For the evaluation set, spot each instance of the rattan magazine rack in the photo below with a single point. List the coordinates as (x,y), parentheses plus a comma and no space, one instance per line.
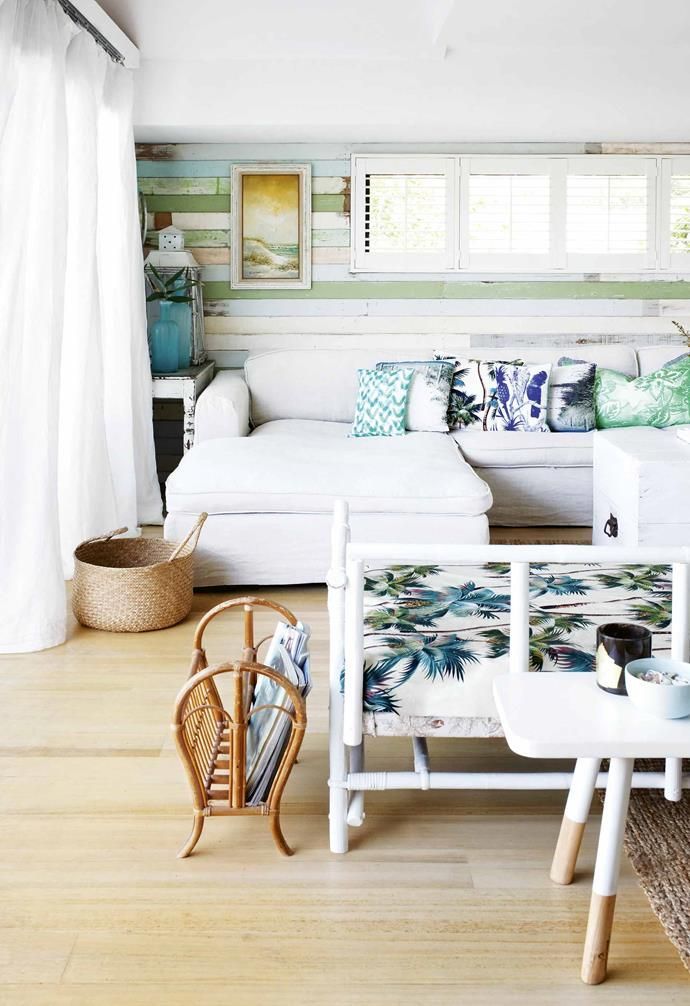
(212,741)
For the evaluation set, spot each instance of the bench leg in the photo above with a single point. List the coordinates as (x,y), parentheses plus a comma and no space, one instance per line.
(337,757)
(606,871)
(355,813)
(574,820)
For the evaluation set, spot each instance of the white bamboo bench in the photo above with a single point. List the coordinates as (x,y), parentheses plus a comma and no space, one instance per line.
(348,780)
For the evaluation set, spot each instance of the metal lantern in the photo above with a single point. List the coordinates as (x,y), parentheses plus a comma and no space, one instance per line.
(169,259)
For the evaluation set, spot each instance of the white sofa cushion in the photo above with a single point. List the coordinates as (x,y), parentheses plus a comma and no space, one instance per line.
(654,357)
(322,383)
(525,450)
(295,466)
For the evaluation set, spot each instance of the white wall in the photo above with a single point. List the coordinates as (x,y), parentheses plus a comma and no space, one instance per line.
(410,70)
(495,94)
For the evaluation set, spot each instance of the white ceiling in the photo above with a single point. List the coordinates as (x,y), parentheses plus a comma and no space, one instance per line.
(433,70)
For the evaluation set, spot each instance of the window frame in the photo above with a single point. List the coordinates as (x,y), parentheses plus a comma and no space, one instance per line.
(670,260)
(424,164)
(617,165)
(509,165)
(457,258)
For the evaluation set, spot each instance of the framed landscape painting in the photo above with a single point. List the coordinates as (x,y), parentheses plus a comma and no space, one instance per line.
(270,243)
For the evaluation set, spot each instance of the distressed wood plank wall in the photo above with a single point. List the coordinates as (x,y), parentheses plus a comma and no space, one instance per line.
(188,185)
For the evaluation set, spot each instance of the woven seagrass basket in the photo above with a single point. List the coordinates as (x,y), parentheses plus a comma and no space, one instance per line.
(134,584)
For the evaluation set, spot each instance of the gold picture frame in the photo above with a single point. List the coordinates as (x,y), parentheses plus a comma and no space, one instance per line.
(270,241)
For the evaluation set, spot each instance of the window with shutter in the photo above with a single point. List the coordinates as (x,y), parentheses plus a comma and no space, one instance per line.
(506,213)
(674,216)
(680,214)
(404,219)
(518,214)
(610,213)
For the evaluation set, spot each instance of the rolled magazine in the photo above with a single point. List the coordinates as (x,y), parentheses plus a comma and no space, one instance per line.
(268,730)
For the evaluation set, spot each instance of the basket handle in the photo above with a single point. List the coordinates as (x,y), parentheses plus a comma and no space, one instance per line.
(196,529)
(105,537)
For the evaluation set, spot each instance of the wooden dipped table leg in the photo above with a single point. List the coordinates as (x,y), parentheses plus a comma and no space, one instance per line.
(598,938)
(574,820)
(605,883)
(567,850)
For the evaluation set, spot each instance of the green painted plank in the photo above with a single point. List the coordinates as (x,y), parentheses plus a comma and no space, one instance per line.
(188,204)
(464,290)
(328,203)
(179,186)
(224,185)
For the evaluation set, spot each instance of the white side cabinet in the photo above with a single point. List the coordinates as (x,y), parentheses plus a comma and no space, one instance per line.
(186,385)
(641,487)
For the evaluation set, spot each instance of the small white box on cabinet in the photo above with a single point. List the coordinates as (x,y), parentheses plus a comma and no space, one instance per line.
(641,487)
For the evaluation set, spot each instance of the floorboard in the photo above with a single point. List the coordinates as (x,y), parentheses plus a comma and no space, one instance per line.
(444,897)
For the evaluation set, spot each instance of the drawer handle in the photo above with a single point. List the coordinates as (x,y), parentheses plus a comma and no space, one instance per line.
(611,527)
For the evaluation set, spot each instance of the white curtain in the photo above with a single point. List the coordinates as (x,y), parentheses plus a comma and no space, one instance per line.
(76,439)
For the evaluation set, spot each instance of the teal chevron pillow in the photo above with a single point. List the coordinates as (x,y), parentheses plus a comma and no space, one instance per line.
(381,403)
(659,399)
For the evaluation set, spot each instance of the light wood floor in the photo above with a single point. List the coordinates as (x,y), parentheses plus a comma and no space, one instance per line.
(444,897)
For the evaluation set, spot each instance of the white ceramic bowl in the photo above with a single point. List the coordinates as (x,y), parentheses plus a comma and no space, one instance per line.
(669,702)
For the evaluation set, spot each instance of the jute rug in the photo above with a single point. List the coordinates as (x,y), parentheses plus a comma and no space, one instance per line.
(657,843)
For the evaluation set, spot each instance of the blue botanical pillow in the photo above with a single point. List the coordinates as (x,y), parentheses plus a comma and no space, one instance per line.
(570,404)
(381,403)
(471,397)
(519,398)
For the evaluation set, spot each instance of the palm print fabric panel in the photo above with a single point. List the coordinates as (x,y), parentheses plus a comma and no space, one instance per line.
(436,637)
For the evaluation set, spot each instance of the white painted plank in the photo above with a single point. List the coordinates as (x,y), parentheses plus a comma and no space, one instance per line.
(329,221)
(321,221)
(324,255)
(329,186)
(285,308)
(178,186)
(312,340)
(331,273)
(337,324)
(201,221)
(453,307)
(418,342)
(228,359)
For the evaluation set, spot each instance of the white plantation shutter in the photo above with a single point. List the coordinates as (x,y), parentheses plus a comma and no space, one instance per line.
(675,214)
(610,213)
(509,213)
(680,214)
(404,217)
(506,211)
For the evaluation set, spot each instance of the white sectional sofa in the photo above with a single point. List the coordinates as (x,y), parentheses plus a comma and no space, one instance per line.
(272,454)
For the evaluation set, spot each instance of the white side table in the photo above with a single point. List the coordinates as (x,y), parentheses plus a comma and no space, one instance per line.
(186,385)
(641,487)
(568,716)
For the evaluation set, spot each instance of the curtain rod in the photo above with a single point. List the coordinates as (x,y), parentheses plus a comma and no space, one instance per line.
(93,19)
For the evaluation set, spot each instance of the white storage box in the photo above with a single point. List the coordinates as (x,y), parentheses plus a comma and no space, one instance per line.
(641,487)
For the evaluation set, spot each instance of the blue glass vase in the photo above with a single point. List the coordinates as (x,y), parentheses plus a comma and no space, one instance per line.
(164,341)
(181,314)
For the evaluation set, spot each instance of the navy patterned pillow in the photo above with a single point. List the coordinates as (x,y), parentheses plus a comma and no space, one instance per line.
(570,407)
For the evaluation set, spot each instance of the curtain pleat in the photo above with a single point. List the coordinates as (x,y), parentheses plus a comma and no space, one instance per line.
(76,442)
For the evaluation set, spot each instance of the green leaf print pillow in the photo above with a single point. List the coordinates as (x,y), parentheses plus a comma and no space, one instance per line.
(659,399)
